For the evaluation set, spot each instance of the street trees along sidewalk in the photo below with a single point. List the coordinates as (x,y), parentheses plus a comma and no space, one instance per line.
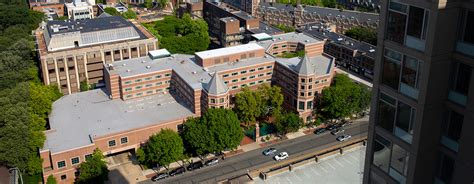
(162,148)
(217,130)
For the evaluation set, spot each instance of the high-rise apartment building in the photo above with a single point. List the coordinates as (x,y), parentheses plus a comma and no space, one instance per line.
(422,111)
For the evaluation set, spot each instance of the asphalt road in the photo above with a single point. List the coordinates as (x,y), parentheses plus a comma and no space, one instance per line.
(240,164)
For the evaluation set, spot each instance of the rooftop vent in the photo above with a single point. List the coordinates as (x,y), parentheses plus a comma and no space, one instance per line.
(124,64)
(143,61)
(306,41)
(128,70)
(194,72)
(148,67)
(372,50)
(339,39)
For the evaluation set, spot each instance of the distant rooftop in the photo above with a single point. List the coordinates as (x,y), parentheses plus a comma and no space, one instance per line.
(77,118)
(224,51)
(265,28)
(316,31)
(289,37)
(319,65)
(371,18)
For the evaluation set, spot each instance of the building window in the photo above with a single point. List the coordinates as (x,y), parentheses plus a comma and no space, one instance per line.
(301,94)
(252,77)
(158,76)
(235,73)
(148,85)
(243,78)
(112,143)
(128,89)
(270,66)
(138,80)
(225,75)
(260,75)
(445,169)
(63,177)
(403,76)
(75,160)
(252,70)
(167,75)
(452,127)
(399,164)
(138,87)
(381,152)
(158,83)
(88,156)
(460,77)
(234,87)
(303,80)
(465,44)
(309,105)
(301,105)
(235,80)
(221,100)
(124,140)
(261,68)
(61,164)
(407,25)
(213,101)
(148,78)
(243,71)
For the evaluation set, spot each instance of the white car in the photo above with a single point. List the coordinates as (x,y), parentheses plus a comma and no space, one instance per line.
(343,138)
(281,156)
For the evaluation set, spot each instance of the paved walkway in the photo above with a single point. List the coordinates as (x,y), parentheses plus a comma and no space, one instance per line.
(343,169)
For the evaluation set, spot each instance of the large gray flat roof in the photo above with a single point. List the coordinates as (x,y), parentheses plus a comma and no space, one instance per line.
(77,117)
(182,64)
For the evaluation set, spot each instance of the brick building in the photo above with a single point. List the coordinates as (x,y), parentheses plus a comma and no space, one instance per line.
(75,51)
(275,13)
(160,90)
(352,54)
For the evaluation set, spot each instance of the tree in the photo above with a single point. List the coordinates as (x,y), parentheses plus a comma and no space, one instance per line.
(112,11)
(272,99)
(343,98)
(129,14)
(94,169)
(221,128)
(84,86)
(288,122)
(364,34)
(51,180)
(248,105)
(183,35)
(285,28)
(329,3)
(148,4)
(162,148)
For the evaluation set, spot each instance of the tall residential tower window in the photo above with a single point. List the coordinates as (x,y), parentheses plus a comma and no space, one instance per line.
(460,79)
(465,44)
(452,127)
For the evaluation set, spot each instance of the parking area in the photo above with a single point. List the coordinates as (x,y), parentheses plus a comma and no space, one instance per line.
(123,168)
(343,169)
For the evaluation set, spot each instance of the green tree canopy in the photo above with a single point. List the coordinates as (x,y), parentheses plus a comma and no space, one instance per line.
(252,104)
(184,35)
(288,122)
(148,4)
(94,169)
(343,98)
(24,101)
(221,130)
(285,28)
(162,148)
(129,14)
(364,34)
(111,11)
(51,180)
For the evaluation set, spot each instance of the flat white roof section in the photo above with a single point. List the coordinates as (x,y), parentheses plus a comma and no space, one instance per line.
(262,36)
(155,54)
(228,50)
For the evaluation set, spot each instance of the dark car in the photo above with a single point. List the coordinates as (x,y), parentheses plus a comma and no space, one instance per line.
(195,165)
(345,123)
(269,151)
(179,170)
(213,161)
(332,127)
(319,131)
(159,177)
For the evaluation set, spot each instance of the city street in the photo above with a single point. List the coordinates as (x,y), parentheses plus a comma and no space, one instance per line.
(240,164)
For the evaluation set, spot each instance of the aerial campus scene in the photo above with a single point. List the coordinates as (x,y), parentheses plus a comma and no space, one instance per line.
(236,91)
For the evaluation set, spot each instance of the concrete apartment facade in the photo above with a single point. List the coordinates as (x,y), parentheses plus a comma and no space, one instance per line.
(422,105)
(349,53)
(146,94)
(275,13)
(75,51)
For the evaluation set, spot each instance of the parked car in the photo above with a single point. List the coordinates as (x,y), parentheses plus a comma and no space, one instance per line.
(345,123)
(195,165)
(337,131)
(343,138)
(332,127)
(177,171)
(320,131)
(213,161)
(269,151)
(281,156)
(159,177)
